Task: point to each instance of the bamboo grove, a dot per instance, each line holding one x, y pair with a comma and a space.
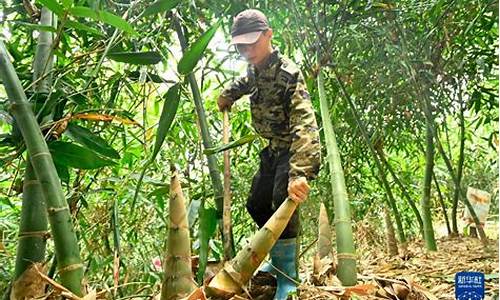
114, 155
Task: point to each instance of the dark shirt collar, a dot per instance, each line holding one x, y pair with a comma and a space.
272, 59
270, 62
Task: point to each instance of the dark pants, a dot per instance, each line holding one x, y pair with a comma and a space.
270, 189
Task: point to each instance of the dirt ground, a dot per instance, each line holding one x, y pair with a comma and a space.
414, 274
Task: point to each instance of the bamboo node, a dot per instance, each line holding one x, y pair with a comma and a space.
338, 220
40, 154
71, 267
43, 233
178, 257
30, 182
347, 256
233, 274
53, 210
13, 106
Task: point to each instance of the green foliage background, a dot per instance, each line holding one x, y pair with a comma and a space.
119, 69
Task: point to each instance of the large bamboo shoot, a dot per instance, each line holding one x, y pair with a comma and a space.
178, 281
236, 273
324, 233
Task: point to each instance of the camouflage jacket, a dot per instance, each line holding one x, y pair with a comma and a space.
282, 111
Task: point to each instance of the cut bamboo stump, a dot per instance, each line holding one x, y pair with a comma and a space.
237, 273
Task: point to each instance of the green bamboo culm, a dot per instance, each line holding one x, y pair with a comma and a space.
202, 121
44, 59
207, 144
382, 175
346, 253
70, 268
430, 240
34, 225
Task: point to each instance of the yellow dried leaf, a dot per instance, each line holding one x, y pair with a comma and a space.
104, 118
29, 285
92, 295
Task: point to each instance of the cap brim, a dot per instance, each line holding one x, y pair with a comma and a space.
246, 38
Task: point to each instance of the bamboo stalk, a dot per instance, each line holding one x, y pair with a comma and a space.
383, 178
202, 119
33, 228
34, 225
460, 165
237, 273
466, 202
346, 253
443, 206
226, 216
66, 245
404, 192
178, 281
44, 61
206, 139
430, 241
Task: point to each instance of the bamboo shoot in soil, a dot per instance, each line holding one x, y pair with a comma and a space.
392, 245
325, 234
237, 273
178, 281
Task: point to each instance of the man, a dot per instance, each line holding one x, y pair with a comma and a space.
282, 112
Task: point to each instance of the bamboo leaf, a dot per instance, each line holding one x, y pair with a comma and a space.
242, 141
167, 116
103, 16
81, 26
53, 6
159, 195
72, 155
160, 6
67, 3
193, 209
117, 22
136, 58
195, 52
104, 118
85, 137
84, 12
62, 172
208, 224
36, 26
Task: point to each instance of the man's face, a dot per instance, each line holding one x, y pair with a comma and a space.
257, 52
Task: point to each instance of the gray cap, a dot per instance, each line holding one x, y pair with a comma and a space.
247, 26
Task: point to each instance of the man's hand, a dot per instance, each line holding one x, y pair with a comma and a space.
298, 189
224, 103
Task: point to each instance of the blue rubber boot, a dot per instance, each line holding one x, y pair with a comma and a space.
283, 256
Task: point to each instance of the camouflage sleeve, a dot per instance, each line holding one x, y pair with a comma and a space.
239, 87
305, 149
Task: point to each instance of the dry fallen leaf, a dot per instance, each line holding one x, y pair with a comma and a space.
29, 285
